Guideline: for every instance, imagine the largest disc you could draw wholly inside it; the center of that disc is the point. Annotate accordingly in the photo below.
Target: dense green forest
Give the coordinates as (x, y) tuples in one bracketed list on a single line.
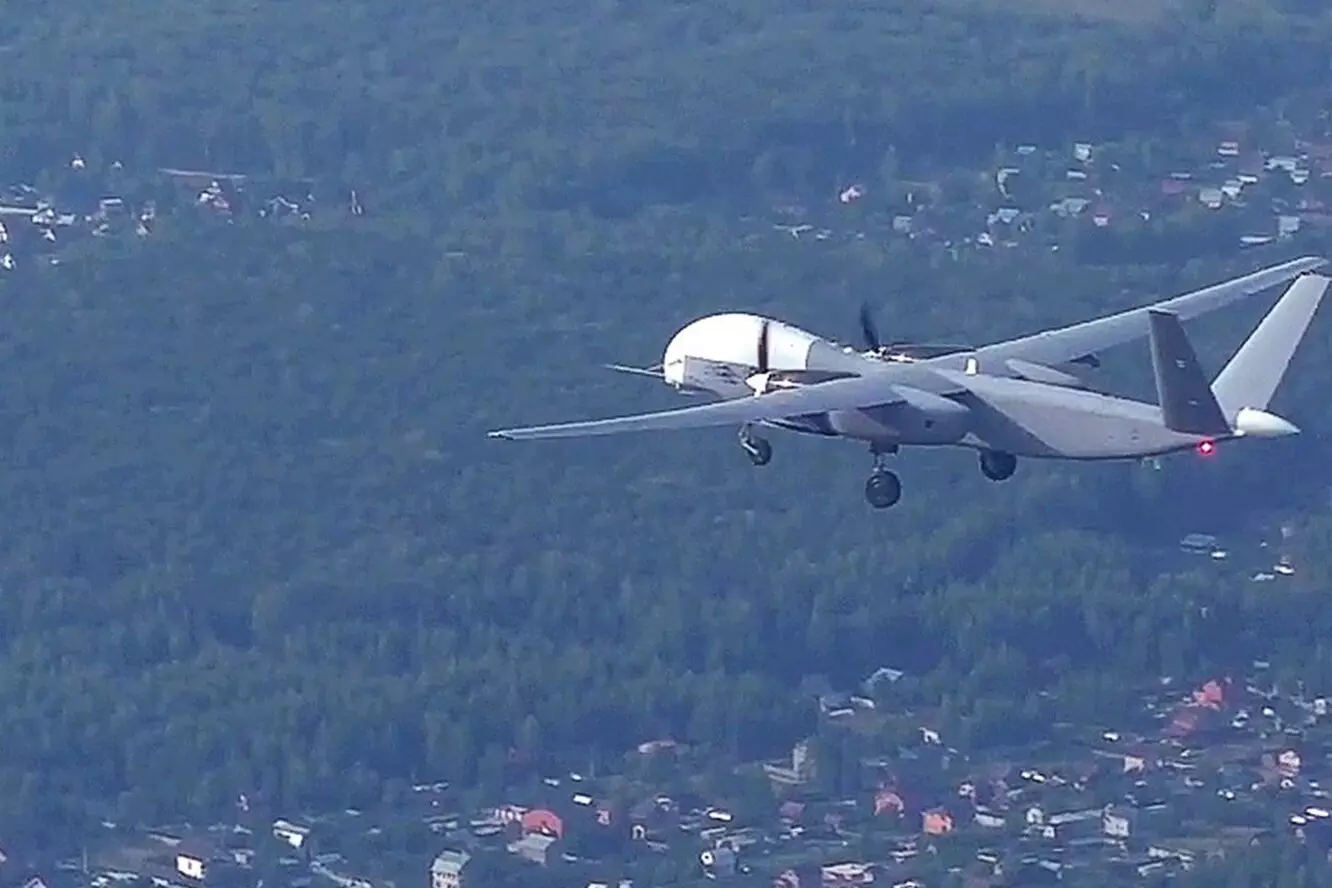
[(256, 540), (610, 105)]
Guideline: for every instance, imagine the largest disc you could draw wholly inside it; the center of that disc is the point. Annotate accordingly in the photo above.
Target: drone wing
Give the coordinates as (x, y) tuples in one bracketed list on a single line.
[(853, 393), (1068, 344)]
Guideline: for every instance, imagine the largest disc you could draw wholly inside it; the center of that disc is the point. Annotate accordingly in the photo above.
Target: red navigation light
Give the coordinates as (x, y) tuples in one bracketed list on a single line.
[(1206, 448)]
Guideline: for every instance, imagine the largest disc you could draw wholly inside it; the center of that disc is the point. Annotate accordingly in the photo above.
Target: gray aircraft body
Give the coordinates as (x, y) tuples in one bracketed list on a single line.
[(1025, 397)]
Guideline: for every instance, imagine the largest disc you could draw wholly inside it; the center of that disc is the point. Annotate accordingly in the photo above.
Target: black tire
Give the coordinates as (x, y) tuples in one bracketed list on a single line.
[(883, 490), (759, 451), (997, 466)]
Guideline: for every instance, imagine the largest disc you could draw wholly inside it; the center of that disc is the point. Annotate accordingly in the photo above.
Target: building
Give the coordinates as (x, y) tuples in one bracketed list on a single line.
[(542, 820), (446, 871), (718, 862), (1116, 824), (533, 846), (800, 771), (937, 822), (192, 860), (295, 835)]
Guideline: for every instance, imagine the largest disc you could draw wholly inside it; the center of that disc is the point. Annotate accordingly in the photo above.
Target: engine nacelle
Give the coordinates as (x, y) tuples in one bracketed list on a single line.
[(720, 353), (920, 418)]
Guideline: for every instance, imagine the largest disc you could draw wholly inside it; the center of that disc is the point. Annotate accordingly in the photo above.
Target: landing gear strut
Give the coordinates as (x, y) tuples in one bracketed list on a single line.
[(758, 449), (996, 465), (884, 488)]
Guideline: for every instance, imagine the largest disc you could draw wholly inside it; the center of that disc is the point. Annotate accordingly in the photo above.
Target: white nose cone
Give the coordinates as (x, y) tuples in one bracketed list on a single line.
[(1261, 424)]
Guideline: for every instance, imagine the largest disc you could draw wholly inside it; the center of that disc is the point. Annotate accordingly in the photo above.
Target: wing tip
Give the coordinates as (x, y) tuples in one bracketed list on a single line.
[(500, 434)]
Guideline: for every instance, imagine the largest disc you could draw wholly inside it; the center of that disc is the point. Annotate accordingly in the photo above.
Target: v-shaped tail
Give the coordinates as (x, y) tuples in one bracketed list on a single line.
[(1251, 377), (1187, 402), (1235, 402)]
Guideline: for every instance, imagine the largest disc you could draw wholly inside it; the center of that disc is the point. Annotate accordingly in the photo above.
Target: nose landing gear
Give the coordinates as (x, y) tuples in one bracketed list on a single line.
[(757, 449)]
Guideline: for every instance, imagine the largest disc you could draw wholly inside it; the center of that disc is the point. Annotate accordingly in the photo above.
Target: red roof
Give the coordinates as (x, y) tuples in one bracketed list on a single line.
[(543, 821)]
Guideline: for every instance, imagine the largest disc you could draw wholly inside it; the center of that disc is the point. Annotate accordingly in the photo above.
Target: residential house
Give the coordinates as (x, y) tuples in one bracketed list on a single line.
[(1067, 824), (800, 771), (851, 873), (1069, 206), (543, 821), (533, 847), (718, 862), (295, 835), (799, 876), (882, 674), (837, 704), (446, 870), (1117, 823), (937, 822), (192, 859), (1284, 162), (888, 801), (1288, 763)]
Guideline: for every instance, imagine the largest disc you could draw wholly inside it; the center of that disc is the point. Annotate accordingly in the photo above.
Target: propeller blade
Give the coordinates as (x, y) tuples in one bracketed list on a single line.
[(867, 328), (763, 348)]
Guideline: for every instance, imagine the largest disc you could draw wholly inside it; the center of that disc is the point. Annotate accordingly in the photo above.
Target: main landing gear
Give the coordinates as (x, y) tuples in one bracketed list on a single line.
[(997, 465), (757, 449), (884, 488)]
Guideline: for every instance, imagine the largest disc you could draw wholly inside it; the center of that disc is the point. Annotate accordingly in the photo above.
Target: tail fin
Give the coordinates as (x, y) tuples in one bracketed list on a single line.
[(1250, 378), (1187, 402)]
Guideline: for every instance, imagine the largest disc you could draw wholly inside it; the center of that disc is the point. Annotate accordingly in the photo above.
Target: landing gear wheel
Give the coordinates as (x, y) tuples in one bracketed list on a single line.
[(997, 466), (757, 449), (760, 452), (883, 489)]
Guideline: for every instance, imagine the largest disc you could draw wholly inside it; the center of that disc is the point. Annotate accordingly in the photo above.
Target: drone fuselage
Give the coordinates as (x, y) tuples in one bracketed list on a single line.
[(720, 355)]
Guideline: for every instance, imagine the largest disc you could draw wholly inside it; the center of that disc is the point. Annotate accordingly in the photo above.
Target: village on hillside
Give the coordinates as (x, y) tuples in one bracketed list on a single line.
[(1264, 187), (1200, 771), (37, 225)]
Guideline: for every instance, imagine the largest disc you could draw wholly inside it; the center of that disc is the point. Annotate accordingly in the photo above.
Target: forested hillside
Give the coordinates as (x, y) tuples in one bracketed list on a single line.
[(256, 539), (528, 104)]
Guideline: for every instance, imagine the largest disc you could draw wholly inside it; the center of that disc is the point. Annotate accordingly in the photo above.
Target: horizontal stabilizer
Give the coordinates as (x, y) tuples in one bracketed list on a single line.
[(1186, 399)]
